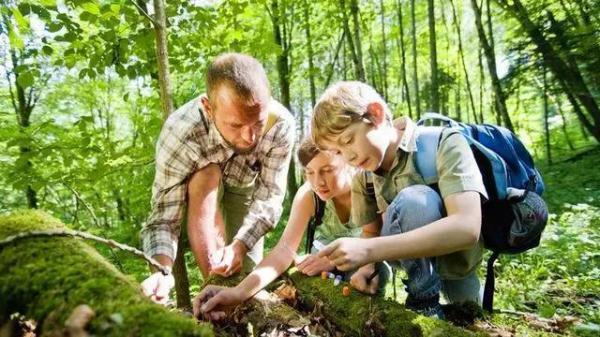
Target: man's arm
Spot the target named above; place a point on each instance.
(267, 201)
(204, 222)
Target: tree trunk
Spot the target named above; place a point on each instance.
(23, 105)
(182, 290)
(570, 78)
(402, 50)
(434, 104)
(162, 57)
(481, 84)
(350, 41)
(546, 113)
(335, 59)
(490, 56)
(558, 104)
(462, 60)
(414, 58)
(283, 72)
(354, 11)
(383, 73)
(73, 273)
(311, 68)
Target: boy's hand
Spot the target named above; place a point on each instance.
(229, 259)
(313, 265)
(213, 302)
(157, 286)
(360, 279)
(347, 253)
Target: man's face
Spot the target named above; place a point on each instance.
(239, 123)
(362, 145)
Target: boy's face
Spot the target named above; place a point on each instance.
(362, 145)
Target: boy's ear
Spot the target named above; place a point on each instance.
(376, 113)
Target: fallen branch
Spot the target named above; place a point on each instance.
(67, 232)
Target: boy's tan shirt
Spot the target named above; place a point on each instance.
(457, 172)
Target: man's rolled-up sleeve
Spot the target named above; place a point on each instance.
(175, 161)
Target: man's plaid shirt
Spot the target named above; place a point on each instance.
(188, 142)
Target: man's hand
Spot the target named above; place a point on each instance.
(312, 265)
(213, 302)
(360, 280)
(229, 259)
(158, 286)
(348, 253)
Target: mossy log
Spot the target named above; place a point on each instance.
(267, 314)
(45, 279)
(362, 315)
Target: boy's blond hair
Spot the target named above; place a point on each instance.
(343, 104)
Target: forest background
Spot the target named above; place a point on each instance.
(86, 85)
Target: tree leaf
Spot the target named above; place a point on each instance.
(25, 80)
(91, 7)
(47, 50)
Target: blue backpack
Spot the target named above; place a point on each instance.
(505, 164)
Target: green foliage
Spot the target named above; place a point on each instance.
(87, 149)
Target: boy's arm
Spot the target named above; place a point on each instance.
(458, 231)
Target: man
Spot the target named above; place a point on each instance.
(224, 156)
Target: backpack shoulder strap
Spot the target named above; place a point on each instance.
(314, 222)
(428, 141)
(369, 187)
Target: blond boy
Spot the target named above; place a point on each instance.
(433, 236)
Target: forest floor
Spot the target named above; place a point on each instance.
(551, 290)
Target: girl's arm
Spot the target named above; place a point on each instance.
(280, 258)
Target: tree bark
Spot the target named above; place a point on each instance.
(162, 57)
(462, 60)
(402, 50)
(414, 58)
(73, 273)
(546, 114)
(383, 73)
(354, 11)
(434, 104)
(490, 56)
(283, 72)
(309, 47)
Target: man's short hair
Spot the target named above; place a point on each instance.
(307, 151)
(241, 73)
(343, 104)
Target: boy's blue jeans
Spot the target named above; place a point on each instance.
(417, 206)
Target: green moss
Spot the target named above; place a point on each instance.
(45, 278)
(359, 314)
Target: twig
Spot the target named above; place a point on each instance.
(144, 13)
(85, 204)
(62, 232)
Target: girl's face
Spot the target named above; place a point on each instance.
(328, 175)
